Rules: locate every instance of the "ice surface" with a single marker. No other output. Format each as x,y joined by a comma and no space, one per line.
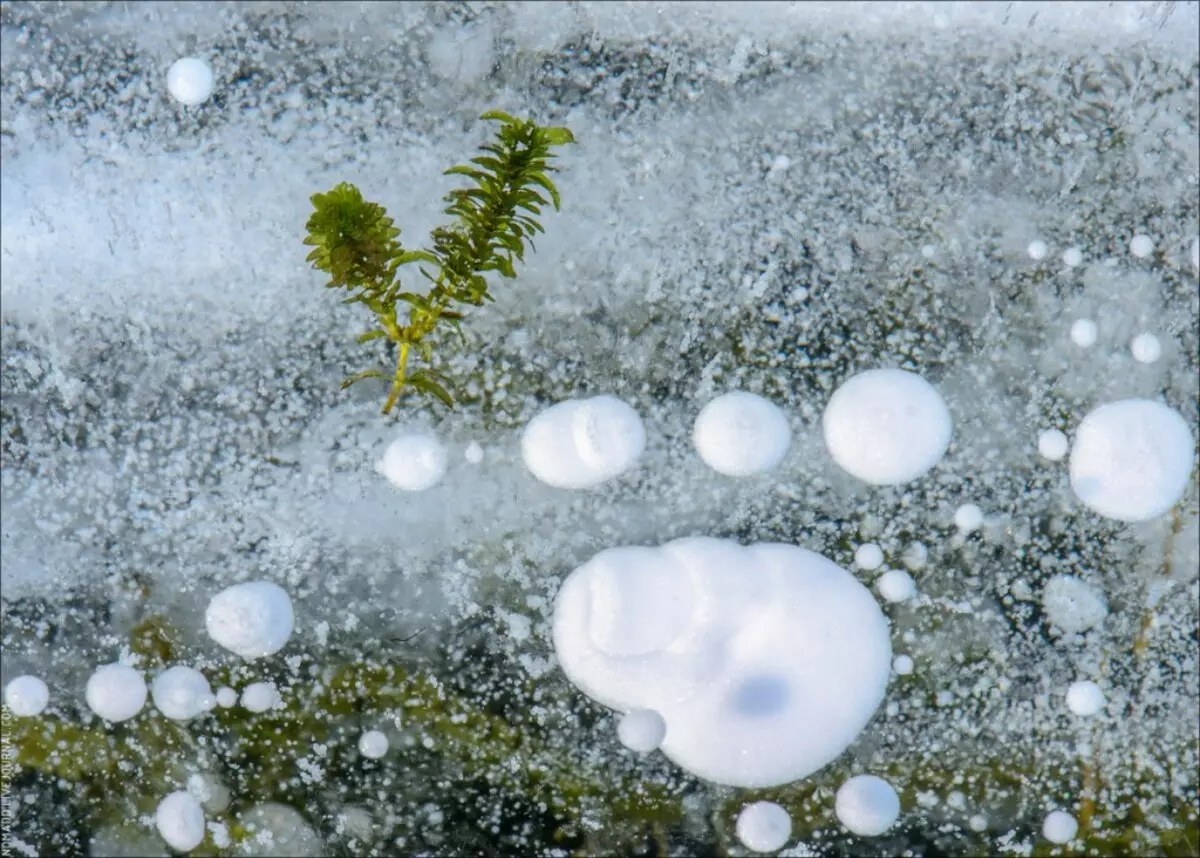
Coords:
765,197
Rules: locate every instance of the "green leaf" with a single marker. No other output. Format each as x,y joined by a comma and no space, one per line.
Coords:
416,256
359,376
422,382
500,115
545,182
371,335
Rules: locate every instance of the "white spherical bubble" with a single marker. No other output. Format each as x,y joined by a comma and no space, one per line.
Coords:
473,453
582,443
1072,256
413,462
764,826
116,692
181,693
887,426
1141,246
868,556
1059,827
896,585
978,822
1085,698
254,619
26,696
1037,249
609,435
1132,459
867,805
1145,348
260,696
1053,445
209,791
1084,333
1073,605
903,665
190,81
766,661
641,730
180,821
373,744
739,434
968,517
226,697
915,556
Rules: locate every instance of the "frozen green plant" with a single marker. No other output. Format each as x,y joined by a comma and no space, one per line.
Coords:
356,244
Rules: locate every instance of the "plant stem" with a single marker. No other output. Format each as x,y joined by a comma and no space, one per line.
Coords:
398,380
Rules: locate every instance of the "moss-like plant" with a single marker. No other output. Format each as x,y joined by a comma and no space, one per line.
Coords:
356,243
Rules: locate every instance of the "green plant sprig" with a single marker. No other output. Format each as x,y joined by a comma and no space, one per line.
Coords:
356,244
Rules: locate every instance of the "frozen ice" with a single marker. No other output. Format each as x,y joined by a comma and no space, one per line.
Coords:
26,695
763,826
1053,445
903,665
473,453
190,81
734,646
182,693
868,556
414,462
1085,698
180,820
1059,827
373,744
641,730
172,421
252,619
1132,459
887,426
116,692
582,443
739,434
867,805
